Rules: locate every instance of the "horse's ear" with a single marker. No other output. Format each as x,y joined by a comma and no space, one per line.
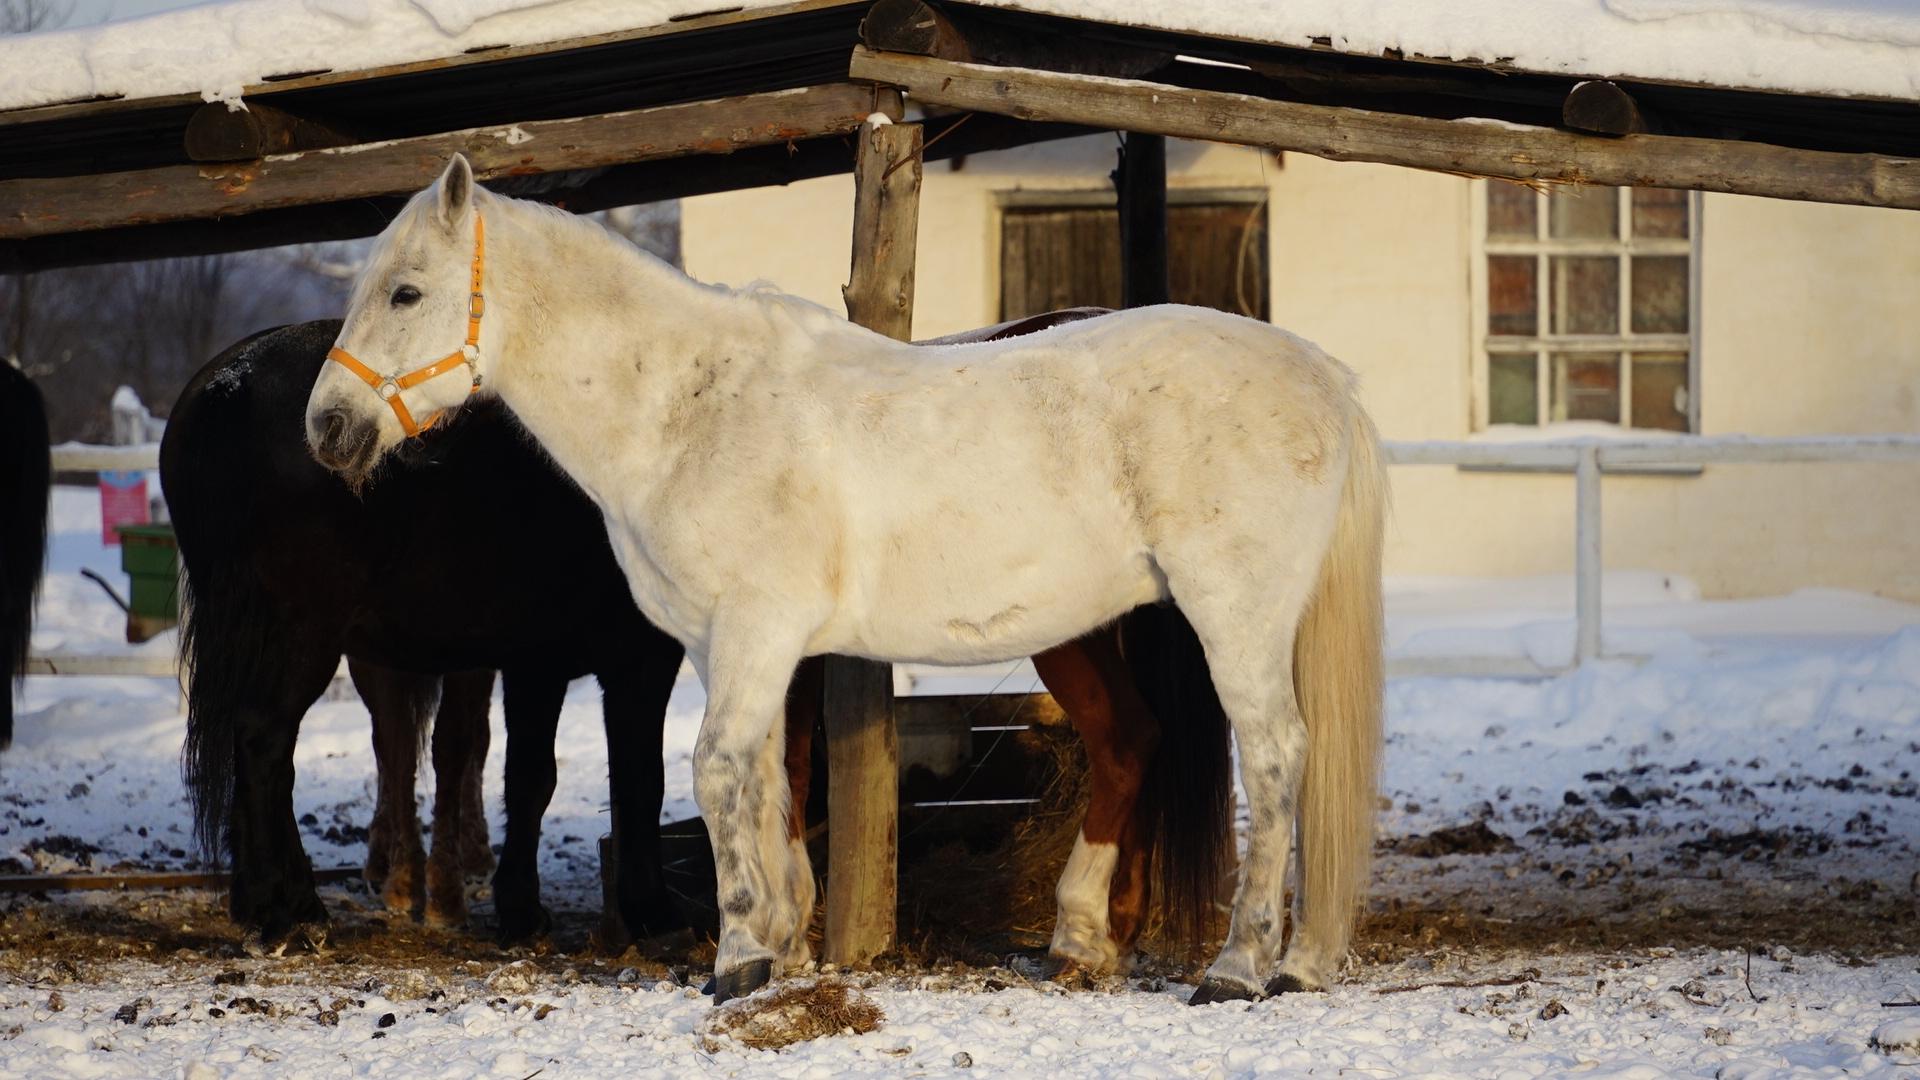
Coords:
456,190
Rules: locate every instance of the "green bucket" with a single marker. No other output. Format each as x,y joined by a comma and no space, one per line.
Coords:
151,557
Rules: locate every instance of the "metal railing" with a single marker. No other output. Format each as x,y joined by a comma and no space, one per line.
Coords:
1587,459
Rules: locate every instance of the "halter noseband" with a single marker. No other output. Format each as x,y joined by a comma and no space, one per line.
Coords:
390,386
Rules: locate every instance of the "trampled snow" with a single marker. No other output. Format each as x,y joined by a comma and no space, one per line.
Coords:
216,50
1764,752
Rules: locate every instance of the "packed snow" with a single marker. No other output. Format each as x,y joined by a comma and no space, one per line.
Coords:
217,50
1696,864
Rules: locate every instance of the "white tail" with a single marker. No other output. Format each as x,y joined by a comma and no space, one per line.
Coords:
1338,680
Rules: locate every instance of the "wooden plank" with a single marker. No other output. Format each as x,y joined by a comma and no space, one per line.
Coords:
724,14
863,754
42,207
144,879
1465,147
149,664
219,133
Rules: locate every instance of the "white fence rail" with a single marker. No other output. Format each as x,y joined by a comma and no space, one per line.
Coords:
1587,459
82,457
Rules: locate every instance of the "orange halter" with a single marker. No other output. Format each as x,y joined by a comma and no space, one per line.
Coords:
389,386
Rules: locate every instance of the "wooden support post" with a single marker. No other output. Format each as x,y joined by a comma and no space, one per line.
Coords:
1141,181
863,771
886,221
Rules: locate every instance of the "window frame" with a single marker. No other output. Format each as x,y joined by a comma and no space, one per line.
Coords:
1621,248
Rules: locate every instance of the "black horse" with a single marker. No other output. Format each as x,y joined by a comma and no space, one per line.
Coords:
25,483
469,551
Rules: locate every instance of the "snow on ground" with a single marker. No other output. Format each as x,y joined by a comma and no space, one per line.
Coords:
216,50
1700,864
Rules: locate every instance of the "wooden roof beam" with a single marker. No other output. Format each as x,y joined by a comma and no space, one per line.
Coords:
952,136
1466,147
45,207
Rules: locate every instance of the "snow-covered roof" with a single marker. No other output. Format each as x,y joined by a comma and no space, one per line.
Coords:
218,50
1851,48
1859,48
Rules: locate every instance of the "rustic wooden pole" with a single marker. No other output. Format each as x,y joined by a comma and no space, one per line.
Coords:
1469,147
863,795
41,206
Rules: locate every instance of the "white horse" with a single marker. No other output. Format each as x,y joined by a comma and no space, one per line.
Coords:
779,483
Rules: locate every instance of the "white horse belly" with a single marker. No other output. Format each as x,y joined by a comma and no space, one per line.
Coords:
997,577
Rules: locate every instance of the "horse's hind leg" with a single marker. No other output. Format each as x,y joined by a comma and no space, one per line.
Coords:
273,891
460,738
401,704
532,702
1102,893
1248,633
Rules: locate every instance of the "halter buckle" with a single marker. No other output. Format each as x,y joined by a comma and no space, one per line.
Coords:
476,304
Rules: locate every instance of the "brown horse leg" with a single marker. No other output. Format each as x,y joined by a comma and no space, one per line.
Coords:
460,737
400,704
803,717
1103,892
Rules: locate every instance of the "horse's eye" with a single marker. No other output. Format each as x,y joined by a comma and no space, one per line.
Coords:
404,295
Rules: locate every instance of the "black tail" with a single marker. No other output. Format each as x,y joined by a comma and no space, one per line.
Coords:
229,634
26,481
1188,793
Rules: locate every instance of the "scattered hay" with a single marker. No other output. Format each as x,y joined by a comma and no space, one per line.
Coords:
797,1012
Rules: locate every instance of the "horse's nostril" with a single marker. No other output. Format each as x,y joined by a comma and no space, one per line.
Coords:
333,426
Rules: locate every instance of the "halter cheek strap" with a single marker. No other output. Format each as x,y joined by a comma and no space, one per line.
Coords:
390,386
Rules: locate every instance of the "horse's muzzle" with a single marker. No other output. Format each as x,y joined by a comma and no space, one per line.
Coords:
341,442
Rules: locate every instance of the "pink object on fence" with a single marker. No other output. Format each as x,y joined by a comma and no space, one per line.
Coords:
123,501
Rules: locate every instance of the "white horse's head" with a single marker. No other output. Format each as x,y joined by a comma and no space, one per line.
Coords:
410,349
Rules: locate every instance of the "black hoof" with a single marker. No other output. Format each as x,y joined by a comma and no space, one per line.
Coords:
741,981
1212,991
520,927
1289,984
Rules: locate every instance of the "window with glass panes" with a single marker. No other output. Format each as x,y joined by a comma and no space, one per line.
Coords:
1589,306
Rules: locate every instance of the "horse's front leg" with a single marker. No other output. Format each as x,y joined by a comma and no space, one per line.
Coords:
795,761
739,783
634,707
532,701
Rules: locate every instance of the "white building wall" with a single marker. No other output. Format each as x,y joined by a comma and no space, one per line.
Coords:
1810,325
